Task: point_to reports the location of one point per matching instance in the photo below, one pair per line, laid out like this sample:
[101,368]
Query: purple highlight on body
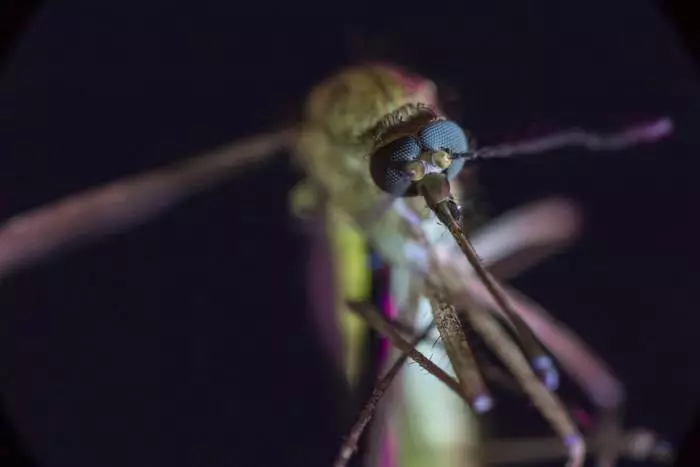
[544,367]
[582,418]
[572,440]
[389,311]
[389,456]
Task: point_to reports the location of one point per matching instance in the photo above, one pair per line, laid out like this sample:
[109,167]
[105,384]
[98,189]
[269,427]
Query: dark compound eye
[388,164]
[385,163]
[443,134]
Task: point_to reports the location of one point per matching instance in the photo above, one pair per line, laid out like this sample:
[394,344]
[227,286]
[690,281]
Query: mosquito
[414,151]
[382,162]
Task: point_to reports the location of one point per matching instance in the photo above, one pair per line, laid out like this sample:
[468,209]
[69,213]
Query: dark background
[186,341]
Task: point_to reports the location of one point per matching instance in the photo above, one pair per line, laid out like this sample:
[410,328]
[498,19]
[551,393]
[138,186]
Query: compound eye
[443,135]
[388,163]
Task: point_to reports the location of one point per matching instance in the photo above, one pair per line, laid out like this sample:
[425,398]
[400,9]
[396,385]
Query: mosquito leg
[435,189]
[502,345]
[645,445]
[577,359]
[639,445]
[350,445]
[491,374]
[539,224]
[609,427]
[547,403]
[582,364]
[34,235]
[540,361]
[377,322]
[545,225]
[584,367]
[459,353]
[439,427]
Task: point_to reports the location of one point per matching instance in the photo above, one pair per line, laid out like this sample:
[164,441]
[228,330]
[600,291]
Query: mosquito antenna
[631,136]
[436,190]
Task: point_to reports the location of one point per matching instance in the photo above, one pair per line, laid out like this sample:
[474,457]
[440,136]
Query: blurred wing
[35,235]
[521,238]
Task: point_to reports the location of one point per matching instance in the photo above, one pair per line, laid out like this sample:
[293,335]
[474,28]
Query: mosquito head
[411,158]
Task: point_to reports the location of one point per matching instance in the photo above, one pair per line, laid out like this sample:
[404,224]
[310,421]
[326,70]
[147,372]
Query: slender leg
[576,358]
[458,351]
[501,344]
[549,222]
[439,429]
[639,445]
[435,190]
[34,235]
[350,445]
[508,351]
[378,323]
[538,229]
[548,404]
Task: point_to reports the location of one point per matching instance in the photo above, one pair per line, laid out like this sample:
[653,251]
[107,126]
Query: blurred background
[187,341]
